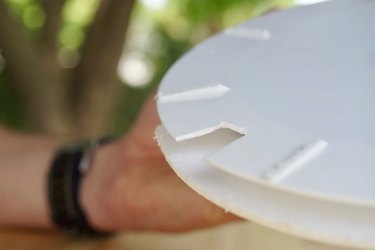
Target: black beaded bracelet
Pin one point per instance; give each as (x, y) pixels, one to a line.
(68, 167)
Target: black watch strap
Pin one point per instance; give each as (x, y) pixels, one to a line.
(63, 187)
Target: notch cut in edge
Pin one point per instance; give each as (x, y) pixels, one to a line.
(254, 33)
(202, 93)
(209, 130)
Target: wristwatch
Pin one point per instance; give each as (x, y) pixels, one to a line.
(67, 169)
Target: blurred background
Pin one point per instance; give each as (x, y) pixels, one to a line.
(82, 68)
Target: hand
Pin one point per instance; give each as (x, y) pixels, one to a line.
(131, 187)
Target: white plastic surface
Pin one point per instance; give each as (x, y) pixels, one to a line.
(323, 221)
(293, 78)
(297, 88)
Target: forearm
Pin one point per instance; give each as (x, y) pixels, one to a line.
(24, 163)
(128, 186)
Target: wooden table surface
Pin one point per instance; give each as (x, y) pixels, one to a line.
(242, 235)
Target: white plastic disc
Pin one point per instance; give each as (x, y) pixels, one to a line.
(296, 88)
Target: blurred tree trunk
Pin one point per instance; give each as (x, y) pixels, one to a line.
(76, 102)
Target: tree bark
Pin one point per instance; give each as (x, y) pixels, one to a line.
(95, 87)
(42, 96)
(78, 103)
(51, 28)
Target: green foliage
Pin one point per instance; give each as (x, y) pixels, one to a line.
(71, 36)
(77, 15)
(80, 12)
(200, 12)
(28, 12)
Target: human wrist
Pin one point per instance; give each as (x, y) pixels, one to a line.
(108, 188)
(94, 192)
(64, 182)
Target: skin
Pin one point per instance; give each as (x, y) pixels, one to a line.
(129, 185)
